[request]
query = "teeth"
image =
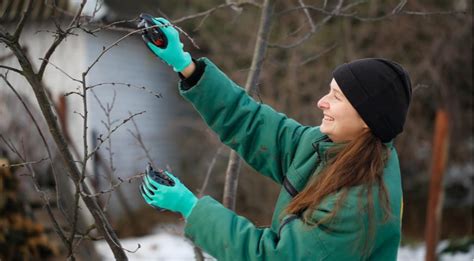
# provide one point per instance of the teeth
(328, 118)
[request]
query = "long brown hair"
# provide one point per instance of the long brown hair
(358, 162)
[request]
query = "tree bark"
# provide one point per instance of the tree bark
(435, 200)
(103, 226)
(233, 167)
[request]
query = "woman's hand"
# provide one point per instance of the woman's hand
(170, 50)
(176, 197)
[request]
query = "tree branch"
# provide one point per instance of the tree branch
(11, 69)
(21, 24)
(233, 167)
(101, 141)
(314, 29)
(34, 80)
(212, 10)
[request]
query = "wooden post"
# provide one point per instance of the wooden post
(435, 198)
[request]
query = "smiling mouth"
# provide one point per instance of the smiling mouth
(328, 118)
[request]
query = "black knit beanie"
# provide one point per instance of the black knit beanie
(380, 91)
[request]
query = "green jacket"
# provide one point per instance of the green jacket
(288, 153)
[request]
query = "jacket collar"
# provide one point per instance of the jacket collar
(322, 144)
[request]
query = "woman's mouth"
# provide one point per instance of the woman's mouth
(328, 118)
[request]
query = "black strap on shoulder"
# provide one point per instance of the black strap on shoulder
(289, 187)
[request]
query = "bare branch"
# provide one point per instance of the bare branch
(75, 19)
(233, 167)
(307, 60)
(209, 171)
(137, 135)
(43, 139)
(6, 57)
(318, 55)
(11, 69)
(35, 81)
(101, 141)
(113, 25)
(59, 231)
(61, 70)
(156, 94)
(71, 93)
(212, 10)
(115, 186)
(111, 170)
(78, 113)
(22, 22)
(106, 49)
(28, 163)
(397, 10)
(308, 16)
(314, 30)
(61, 35)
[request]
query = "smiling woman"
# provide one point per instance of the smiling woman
(341, 195)
(341, 122)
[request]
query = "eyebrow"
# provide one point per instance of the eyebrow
(336, 90)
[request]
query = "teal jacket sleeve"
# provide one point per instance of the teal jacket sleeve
(227, 236)
(264, 138)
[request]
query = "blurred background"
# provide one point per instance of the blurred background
(433, 42)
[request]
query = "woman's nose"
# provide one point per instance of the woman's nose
(322, 104)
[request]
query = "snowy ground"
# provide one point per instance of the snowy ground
(168, 244)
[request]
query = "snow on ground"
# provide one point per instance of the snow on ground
(166, 243)
(169, 244)
(417, 253)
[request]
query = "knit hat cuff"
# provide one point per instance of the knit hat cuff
(358, 97)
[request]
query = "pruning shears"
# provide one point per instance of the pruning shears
(152, 33)
(160, 177)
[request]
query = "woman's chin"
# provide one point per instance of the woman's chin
(323, 129)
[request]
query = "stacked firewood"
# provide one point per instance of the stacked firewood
(21, 238)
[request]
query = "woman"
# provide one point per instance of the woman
(341, 196)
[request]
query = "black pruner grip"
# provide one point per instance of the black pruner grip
(159, 176)
(152, 33)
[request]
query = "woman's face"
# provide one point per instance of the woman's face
(341, 122)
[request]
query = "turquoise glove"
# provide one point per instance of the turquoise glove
(176, 198)
(172, 53)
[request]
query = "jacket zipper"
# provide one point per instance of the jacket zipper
(287, 220)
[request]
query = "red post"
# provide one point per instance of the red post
(435, 198)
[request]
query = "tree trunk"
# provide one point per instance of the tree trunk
(435, 200)
(233, 167)
(102, 224)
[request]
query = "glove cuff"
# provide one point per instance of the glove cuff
(183, 62)
(189, 207)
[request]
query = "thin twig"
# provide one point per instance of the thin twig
(12, 69)
(129, 85)
(21, 24)
(212, 10)
(43, 139)
(313, 31)
(137, 135)
(59, 231)
(27, 163)
(61, 35)
(61, 70)
(102, 140)
(308, 16)
(209, 171)
(115, 186)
